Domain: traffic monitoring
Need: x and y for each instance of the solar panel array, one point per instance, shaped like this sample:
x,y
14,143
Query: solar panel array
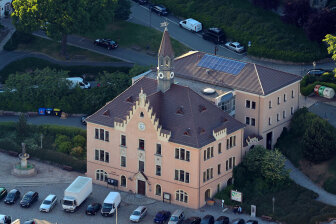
x,y
221,64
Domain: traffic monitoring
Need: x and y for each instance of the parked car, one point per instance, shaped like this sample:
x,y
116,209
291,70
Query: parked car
x,y
215,35
159,9
93,208
106,43
48,203
208,219
177,217
29,198
222,220
162,217
29,222
235,46
191,24
111,203
192,220
252,222
12,196
3,192
238,221
316,72
5,219
138,214
83,119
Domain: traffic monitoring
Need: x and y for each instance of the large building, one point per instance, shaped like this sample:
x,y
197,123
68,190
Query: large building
x,y
164,140
179,130
5,7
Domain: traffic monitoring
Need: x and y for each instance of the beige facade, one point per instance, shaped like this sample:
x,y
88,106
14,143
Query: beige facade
x,y
191,190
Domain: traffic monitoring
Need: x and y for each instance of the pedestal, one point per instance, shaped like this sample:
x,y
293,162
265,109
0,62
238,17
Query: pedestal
x,y
23,163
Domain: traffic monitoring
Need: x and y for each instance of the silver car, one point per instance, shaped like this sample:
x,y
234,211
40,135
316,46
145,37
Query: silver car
x,y
138,214
235,46
48,203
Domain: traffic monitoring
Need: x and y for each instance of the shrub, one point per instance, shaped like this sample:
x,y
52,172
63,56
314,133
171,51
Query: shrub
x,y
77,152
330,185
64,147
31,144
79,140
60,139
9,144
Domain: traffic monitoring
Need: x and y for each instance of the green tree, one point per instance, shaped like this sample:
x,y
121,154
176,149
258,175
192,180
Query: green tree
x,y
123,10
60,18
331,41
273,167
22,128
61,138
65,147
319,141
79,140
77,152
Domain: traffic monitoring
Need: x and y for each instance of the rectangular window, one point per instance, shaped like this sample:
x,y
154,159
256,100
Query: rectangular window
x,y
211,173
219,148
248,104
141,166
227,165
208,174
269,121
269,104
227,143
208,153
158,170
141,144
107,157
234,140
123,140
230,163
176,174
252,121
182,175
278,100
253,105
123,161
247,120
211,151
204,176
219,169
158,149
204,155
284,114
177,153
96,133
101,156
278,117
285,97
107,136
187,156
96,154
187,177
292,110
292,93
182,154
101,134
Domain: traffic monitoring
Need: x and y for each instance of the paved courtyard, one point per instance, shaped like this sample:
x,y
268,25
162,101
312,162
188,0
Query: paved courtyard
x,y
54,180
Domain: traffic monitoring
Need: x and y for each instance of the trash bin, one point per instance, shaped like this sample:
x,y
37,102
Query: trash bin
x,y
57,112
49,111
41,111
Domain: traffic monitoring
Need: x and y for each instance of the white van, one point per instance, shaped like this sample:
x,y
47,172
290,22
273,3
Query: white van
x,y
78,81
191,24
111,202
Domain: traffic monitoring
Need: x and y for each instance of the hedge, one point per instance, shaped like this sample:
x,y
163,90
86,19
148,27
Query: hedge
x,y
32,63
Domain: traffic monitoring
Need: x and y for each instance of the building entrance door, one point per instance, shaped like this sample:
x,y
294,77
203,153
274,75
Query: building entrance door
x,y
207,194
141,187
269,140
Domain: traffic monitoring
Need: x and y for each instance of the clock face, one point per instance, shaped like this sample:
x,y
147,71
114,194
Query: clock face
x,y
141,126
160,75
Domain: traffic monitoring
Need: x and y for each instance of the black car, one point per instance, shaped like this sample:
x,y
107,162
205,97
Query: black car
x,y
159,9
317,72
208,219
162,216
222,220
238,221
192,220
252,222
215,35
29,198
3,192
92,209
107,43
12,196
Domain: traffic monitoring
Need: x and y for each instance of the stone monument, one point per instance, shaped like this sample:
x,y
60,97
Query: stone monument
x,y
24,169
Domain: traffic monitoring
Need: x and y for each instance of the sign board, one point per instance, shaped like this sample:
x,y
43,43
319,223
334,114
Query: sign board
x,y
253,210
236,196
112,182
166,196
41,111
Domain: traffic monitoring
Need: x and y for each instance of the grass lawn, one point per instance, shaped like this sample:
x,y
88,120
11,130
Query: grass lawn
x,y
135,36
293,205
53,49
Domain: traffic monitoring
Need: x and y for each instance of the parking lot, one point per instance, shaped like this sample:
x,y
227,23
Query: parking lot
x,y
52,180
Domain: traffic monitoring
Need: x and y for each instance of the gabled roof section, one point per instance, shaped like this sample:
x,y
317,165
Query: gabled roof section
x,y
166,48
252,78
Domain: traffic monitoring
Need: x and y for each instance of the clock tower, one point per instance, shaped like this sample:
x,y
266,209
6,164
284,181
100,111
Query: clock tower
x,y
165,69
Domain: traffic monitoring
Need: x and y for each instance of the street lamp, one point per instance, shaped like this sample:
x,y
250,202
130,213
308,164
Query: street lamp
x,y
314,64
273,200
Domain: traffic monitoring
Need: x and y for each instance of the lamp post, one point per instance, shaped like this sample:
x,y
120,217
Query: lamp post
x,y
273,200
117,215
314,64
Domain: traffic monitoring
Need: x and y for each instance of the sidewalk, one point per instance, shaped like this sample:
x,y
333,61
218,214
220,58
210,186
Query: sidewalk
x,y
6,22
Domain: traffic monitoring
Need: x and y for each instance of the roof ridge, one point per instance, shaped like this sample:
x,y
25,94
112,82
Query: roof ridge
x,y
279,70
262,89
192,117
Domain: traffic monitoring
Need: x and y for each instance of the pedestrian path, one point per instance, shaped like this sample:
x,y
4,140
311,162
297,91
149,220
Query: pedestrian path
x,y
298,177
8,25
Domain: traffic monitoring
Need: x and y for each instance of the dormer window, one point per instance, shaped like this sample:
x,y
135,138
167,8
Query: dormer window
x,y
130,99
106,113
188,132
141,114
201,130
202,108
180,110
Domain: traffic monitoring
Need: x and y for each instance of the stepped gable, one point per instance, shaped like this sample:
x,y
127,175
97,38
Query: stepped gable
x,y
165,107
252,78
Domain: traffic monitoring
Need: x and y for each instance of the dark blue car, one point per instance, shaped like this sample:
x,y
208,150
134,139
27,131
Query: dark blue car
x,y
162,216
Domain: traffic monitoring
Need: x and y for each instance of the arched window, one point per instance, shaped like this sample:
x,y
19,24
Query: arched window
x,y
123,181
141,114
181,196
158,190
101,175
